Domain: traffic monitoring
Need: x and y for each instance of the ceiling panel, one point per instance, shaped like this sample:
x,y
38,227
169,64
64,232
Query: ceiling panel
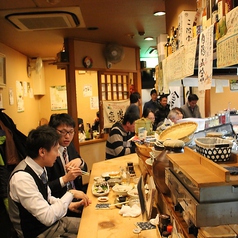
x,y
117,21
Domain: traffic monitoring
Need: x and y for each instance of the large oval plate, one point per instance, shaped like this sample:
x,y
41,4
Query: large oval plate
x,y
98,190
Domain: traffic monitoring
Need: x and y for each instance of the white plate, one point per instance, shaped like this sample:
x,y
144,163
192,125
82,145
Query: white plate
x,y
100,194
149,162
103,199
112,174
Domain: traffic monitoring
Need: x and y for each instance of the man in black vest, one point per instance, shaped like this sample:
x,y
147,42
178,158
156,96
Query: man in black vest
x,y
32,209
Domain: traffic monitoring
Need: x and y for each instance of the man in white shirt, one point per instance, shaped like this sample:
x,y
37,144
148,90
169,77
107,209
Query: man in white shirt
x,y
32,209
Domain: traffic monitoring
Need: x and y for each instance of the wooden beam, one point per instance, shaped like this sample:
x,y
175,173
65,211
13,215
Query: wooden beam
x,y
71,88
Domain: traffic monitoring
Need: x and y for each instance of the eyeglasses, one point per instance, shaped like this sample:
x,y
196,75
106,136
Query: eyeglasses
x,y
64,132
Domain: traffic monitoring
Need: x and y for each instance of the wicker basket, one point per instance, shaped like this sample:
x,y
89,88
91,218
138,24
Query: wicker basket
x,y
182,131
215,149
144,149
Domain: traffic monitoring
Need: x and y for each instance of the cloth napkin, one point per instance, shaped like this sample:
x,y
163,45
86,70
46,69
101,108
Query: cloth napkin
x,y
128,211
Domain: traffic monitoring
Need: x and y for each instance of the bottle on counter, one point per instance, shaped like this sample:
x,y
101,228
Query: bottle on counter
x,y
221,8
168,47
204,18
215,12
165,234
228,6
174,39
88,132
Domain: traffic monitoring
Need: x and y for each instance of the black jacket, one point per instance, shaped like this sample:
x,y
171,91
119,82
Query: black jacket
x,y
161,113
57,171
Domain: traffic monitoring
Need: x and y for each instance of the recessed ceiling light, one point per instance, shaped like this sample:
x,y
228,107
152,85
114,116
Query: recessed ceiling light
x,y
159,14
149,38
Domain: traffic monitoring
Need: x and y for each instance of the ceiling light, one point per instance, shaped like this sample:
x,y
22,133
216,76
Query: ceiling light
x,y
159,14
149,38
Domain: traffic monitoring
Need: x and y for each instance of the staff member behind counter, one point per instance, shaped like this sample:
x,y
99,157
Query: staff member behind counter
x,y
190,108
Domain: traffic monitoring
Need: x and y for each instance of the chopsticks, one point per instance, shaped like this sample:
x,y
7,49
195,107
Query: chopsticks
x,y
85,173
119,203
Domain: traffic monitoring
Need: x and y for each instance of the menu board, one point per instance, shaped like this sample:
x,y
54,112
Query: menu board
x,y
180,64
227,46
205,59
227,51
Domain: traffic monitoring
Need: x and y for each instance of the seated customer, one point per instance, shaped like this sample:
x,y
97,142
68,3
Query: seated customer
x,y
117,141
33,211
67,169
81,131
172,119
149,114
179,111
173,116
96,122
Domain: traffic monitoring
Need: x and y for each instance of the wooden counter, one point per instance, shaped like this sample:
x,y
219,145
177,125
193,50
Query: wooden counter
x,y
109,223
92,141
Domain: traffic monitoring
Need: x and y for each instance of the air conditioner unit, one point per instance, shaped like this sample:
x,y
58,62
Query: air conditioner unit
x,y
46,19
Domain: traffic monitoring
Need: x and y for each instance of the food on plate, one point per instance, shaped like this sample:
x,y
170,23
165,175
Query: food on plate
x,y
100,188
113,181
121,189
103,199
114,174
174,144
133,193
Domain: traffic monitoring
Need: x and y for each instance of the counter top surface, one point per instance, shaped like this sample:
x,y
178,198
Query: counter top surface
x,y
109,223
92,141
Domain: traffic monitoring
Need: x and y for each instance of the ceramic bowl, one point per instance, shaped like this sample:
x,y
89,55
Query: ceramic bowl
x,y
133,193
121,189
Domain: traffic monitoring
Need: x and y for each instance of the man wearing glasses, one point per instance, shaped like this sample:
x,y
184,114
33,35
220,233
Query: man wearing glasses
x,y
67,169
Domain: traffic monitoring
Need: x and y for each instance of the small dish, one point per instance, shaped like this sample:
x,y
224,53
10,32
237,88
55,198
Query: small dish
x,y
120,204
113,181
103,199
149,162
133,193
112,174
121,189
96,178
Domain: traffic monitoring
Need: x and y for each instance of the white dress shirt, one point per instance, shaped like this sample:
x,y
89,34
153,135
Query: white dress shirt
x,y
24,190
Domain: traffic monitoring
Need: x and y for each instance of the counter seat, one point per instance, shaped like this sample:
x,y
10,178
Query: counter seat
x,y
99,223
